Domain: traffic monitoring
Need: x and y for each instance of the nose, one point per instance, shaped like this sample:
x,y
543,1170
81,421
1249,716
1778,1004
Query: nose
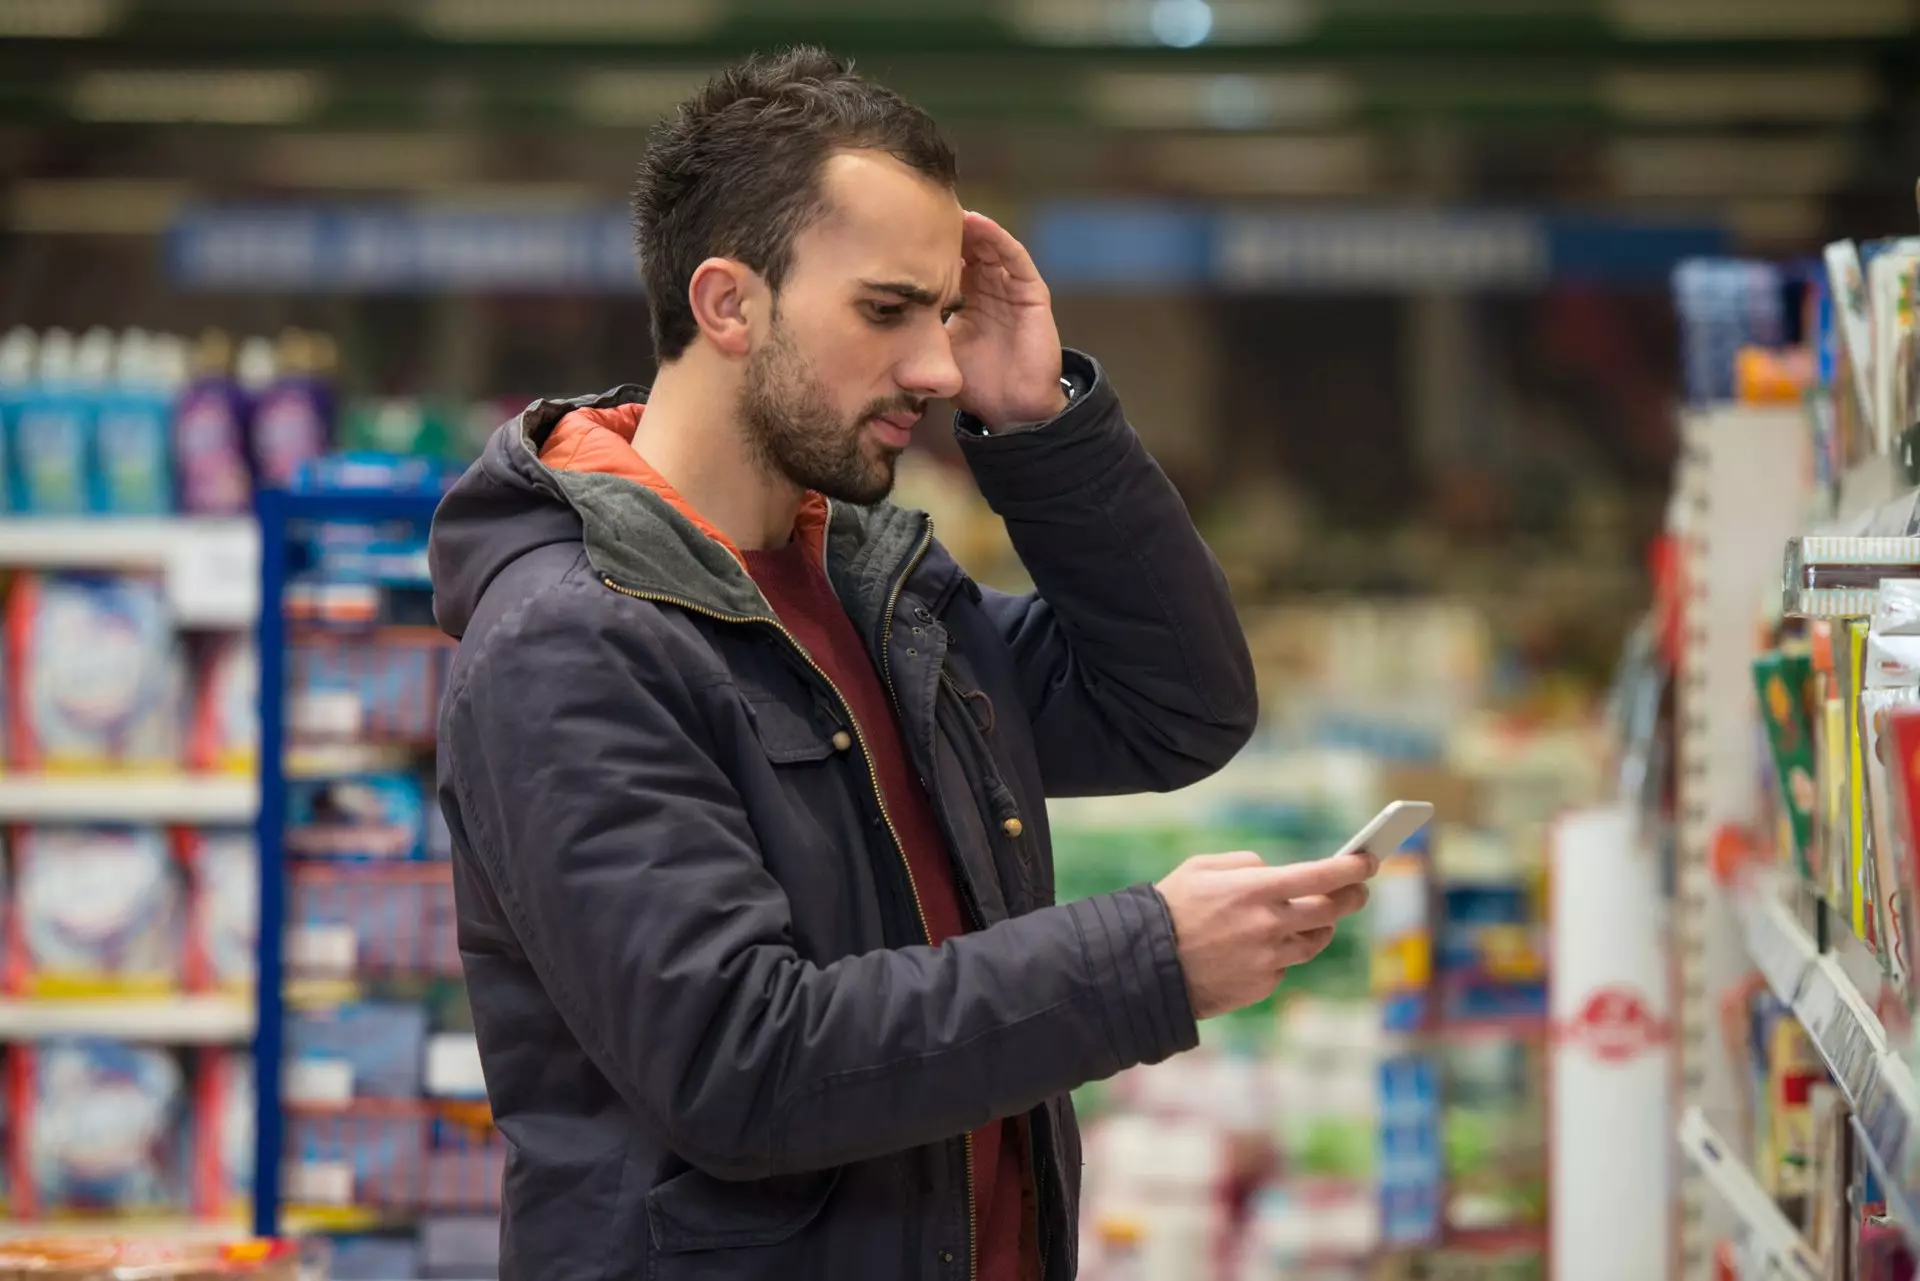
x,y
932,372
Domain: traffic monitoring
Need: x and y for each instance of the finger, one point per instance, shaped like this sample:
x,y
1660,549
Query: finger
x,y
1303,947
1316,911
986,238
1322,876
1227,862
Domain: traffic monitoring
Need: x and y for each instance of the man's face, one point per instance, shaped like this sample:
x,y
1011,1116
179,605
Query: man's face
x,y
857,343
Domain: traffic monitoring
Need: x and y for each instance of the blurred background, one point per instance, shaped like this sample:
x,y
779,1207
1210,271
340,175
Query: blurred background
x,y
1388,286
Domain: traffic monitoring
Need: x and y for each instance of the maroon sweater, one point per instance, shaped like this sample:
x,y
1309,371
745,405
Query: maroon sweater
x,y
796,586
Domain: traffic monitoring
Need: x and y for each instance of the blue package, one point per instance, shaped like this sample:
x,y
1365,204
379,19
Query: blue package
x,y
50,428
383,1042
378,817
106,1127
18,351
132,466
374,1258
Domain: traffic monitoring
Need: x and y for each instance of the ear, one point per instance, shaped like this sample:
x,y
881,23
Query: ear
x,y
724,295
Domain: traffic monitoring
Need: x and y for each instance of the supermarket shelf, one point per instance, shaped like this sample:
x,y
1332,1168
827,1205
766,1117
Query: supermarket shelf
x,y
211,565
185,1020
1843,1028
189,1231
1771,1239
135,798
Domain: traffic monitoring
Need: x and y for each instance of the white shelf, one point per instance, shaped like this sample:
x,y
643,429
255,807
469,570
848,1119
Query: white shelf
x,y
1843,1028
185,1231
211,565
184,1020
135,798
1772,1241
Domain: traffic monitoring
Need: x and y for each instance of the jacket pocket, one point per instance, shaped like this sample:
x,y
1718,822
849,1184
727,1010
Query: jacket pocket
x,y
787,734
694,1213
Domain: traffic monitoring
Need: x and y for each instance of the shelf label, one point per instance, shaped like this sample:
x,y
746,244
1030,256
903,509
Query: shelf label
x,y
322,949
320,1182
213,576
320,1082
326,714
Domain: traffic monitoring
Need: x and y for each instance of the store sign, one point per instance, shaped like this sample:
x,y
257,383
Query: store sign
x,y
397,250
1615,1025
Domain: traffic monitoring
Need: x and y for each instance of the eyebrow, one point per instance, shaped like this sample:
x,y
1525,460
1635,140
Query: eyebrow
x,y
910,292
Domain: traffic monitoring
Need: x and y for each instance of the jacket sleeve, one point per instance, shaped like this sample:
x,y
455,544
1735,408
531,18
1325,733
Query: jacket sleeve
x,y
628,870
1133,666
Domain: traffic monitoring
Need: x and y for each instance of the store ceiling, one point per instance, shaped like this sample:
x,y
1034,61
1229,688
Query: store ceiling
x,y
1706,104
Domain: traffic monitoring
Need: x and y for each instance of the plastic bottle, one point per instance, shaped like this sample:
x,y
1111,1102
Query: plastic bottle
x,y
50,432
293,417
132,459
209,438
18,354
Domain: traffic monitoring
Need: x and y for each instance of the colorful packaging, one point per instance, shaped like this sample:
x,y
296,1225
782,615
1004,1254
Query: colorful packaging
x,y
1893,859
382,1046
1782,680
293,415
226,722
209,436
99,1126
131,472
96,910
97,674
19,353
378,817
223,1134
52,422
225,870
1863,882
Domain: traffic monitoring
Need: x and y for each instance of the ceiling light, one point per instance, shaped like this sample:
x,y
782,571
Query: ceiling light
x,y
94,206
1727,94
1177,23
1180,23
1328,165
1205,100
568,19
1729,166
196,97
59,19
638,97
1761,19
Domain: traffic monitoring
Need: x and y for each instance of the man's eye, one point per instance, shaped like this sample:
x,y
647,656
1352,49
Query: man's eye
x,y
886,313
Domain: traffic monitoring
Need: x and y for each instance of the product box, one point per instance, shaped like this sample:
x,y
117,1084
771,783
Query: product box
x,y
95,910
96,677
1782,681
99,1127
366,817
223,940
223,1134
226,716
366,1050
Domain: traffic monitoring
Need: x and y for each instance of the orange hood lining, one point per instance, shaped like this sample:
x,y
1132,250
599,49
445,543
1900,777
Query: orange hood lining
x,y
601,441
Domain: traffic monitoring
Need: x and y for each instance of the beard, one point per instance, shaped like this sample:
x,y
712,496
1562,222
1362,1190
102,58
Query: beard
x,y
796,434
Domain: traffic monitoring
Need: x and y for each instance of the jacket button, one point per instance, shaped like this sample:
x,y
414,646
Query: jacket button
x,y
1013,827
922,613
946,1256
842,740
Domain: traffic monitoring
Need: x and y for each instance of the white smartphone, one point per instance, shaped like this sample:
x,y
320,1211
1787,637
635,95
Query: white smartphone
x,y
1390,828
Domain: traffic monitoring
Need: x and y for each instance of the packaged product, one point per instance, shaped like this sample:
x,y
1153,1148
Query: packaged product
x,y
51,423
226,723
380,1046
209,435
293,414
19,352
131,466
224,867
95,1259
99,1126
95,910
373,817
223,1133
97,675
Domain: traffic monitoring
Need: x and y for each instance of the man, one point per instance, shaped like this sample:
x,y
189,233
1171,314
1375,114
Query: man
x,y
747,778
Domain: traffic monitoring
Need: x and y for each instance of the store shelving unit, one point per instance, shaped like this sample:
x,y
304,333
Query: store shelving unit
x,y
184,799
178,1020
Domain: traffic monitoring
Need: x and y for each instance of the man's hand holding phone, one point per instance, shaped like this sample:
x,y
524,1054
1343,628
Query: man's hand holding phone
x,y
1241,923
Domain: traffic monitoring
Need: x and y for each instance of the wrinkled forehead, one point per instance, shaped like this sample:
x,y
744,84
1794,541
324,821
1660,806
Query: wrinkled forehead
x,y
882,221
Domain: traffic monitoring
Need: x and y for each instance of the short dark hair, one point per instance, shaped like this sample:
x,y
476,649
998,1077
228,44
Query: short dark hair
x,y
735,171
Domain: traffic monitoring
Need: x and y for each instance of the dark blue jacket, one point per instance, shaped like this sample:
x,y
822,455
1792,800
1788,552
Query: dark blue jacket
x,y
711,1031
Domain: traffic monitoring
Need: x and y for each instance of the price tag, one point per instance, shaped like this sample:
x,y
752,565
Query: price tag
x,y
320,1082
213,575
322,949
320,1182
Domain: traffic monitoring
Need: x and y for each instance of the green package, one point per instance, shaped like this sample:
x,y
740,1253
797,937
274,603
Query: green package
x,y
1781,681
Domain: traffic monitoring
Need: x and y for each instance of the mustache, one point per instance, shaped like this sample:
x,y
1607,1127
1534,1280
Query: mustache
x,y
915,405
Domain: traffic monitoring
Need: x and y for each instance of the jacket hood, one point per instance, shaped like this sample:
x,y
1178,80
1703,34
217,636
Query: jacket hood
x,y
510,503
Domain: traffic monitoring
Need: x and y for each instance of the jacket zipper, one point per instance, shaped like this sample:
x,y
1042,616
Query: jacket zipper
x,y
873,777
886,676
